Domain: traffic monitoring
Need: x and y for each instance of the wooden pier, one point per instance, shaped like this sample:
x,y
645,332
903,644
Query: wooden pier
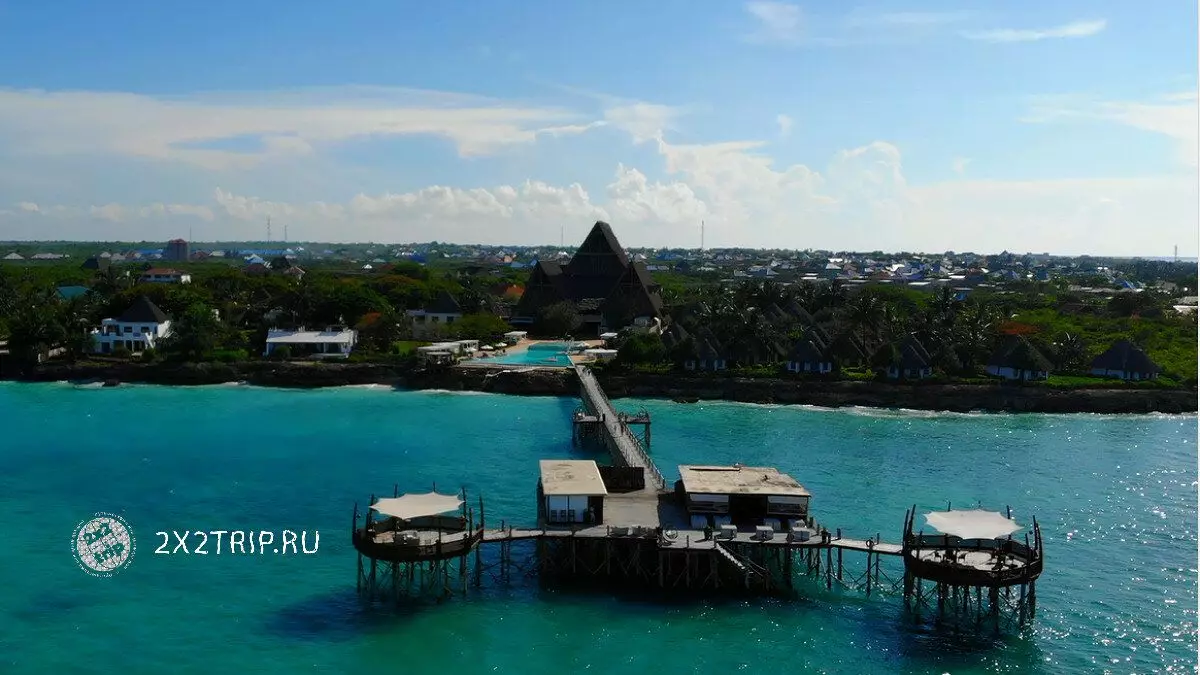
x,y
729,529
614,430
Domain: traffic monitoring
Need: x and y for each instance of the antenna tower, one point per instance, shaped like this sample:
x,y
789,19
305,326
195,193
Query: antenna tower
x,y
702,235
268,228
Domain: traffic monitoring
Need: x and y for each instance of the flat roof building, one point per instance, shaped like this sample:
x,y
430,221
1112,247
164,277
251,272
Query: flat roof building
x,y
744,493
571,491
333,342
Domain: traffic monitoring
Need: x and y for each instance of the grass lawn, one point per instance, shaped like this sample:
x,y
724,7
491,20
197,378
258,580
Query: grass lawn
x,y
407,346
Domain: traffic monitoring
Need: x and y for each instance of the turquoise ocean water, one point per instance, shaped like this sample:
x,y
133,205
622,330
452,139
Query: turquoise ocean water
x,y
1116,497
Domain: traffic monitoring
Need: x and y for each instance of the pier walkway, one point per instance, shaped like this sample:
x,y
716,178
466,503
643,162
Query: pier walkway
x,y
686,539
622,444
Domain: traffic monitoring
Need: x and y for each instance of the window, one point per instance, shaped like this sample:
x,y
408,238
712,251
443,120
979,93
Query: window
x,y
571,515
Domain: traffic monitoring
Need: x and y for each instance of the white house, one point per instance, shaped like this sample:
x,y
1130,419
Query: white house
x,y
571,491
333,342
137,329
159,275
443,311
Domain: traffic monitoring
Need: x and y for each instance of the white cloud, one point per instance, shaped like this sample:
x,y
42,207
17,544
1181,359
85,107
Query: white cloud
x,y
861,198
269,125
959,165
643,121
1075,29
776,22
785,125
1176,116
925,19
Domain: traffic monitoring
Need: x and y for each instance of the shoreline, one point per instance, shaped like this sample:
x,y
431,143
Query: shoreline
x,y
541,381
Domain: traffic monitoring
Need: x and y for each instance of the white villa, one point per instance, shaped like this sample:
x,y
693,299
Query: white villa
x,y
333,342
443,311
159,275
137,329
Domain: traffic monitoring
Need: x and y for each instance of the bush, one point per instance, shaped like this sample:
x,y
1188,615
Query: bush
x,y
149,355
228,355
120,352
282,352
641,348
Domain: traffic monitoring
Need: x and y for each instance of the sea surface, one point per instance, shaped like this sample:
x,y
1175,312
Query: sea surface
x,y
1115,495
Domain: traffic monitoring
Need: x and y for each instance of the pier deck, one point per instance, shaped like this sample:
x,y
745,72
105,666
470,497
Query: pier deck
x,y
624,447
688,539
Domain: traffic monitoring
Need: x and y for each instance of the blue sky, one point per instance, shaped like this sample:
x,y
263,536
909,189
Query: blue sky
x,y
899,126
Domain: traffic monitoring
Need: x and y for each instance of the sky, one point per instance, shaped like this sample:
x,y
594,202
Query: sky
x,y
1067,127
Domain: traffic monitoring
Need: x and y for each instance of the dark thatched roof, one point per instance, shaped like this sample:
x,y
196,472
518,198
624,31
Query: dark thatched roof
x,y
444,303
1128,357
143,311
1018,354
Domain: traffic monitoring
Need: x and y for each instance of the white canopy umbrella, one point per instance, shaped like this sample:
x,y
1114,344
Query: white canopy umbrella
x,y
407,507
972,524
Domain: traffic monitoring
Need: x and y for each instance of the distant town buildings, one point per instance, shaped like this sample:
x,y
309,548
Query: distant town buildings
x,y
176,250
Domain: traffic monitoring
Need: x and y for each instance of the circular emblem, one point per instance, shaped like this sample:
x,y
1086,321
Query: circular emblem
x,y
103,545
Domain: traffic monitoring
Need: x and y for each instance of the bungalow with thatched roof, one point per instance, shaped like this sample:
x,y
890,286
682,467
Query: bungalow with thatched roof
x,y
907,360
1016,359
705,353
1126,361
810,355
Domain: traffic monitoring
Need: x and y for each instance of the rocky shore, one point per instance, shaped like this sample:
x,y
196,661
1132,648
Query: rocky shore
x,y
561,382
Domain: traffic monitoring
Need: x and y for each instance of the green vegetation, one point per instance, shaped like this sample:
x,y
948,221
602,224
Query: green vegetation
x,y
755,324
224,315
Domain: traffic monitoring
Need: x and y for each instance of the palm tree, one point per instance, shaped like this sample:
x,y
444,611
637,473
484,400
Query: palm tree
x,y
862,315
1069,352
975,333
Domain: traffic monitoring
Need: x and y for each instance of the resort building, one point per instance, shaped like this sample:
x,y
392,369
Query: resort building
x,y
571,491
177,250
698,352
1126,361
442,312
514,336
1016,359
908,360
159,275
442,353
137,329
741,494
607,290
333,342
97,263
809,355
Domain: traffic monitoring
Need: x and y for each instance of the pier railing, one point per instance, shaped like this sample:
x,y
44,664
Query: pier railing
x,y
626,441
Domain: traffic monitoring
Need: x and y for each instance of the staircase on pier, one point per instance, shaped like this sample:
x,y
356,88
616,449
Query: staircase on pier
x,y
621,442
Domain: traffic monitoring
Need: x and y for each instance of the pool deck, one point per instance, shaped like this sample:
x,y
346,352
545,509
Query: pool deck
x,y
522,347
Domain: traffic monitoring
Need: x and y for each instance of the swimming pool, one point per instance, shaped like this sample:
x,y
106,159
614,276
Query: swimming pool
x,y
550,354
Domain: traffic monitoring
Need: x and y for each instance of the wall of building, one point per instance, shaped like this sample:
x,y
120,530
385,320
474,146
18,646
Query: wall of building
x,y
555,504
